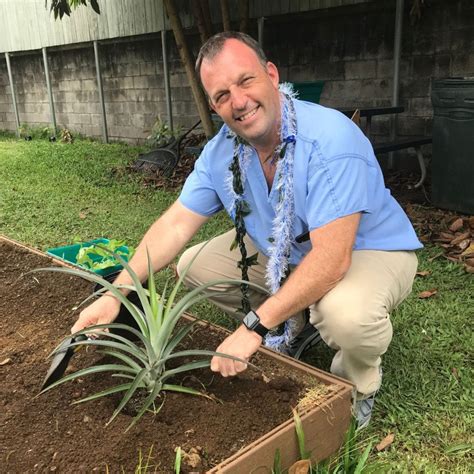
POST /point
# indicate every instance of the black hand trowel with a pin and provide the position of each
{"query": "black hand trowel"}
(61, 360)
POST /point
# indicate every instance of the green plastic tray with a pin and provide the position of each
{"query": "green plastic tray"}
(69, 254)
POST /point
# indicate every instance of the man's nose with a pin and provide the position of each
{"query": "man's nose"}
(239, 99)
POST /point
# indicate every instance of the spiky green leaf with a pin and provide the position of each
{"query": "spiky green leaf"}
(89, 371)
(104, 393)
(132, 389)
(199, 364)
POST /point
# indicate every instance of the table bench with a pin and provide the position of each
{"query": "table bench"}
(415, 142)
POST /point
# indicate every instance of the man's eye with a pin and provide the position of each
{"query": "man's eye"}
(246, 80)
(221, 98)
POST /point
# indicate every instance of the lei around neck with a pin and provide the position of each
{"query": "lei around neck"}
(282, 225)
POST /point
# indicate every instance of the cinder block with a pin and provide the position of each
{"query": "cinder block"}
(120, 119)
(328, 70)
(125, 82)
(411, 126)
(346, 91)
(75, 85)
(360, 69)
(376, 88)
(420, 107)
(147, 69)
(68, 107)
(140, 82)
(138, 121)
(463, 64)
(385, 68)
(115, 107)
(71, 96)
(442, 67)
(88, 85)
(423, 42)
(84, 119)
(87, 72)
(96, 119)
(423, 66)
(182, 93)
(179, 80)
(116, 131)
(299, 73)
(112, 83)
(74, 119)
(442, 40)
(80, 108)
(415, 87)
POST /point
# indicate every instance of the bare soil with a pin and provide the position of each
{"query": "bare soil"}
(46, 433)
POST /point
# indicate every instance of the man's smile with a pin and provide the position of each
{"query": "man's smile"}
(248, 114)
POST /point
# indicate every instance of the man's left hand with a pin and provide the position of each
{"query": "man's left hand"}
(242, 343)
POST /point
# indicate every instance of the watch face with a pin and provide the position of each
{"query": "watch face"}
(251, 320)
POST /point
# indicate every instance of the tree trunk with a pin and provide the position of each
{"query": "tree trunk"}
(206, 13)
(225, 15)
(199, 19)
(244, 15)
(188, 62)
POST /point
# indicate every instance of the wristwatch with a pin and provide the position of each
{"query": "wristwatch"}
(252, 322)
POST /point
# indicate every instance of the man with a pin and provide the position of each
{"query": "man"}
(282, 167)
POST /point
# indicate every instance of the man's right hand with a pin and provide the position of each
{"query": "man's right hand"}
(102, 311)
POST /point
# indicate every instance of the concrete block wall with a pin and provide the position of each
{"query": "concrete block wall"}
(133, 82)
(350, 48)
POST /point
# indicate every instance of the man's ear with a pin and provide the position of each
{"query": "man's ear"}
(272, 72)
(210, 104)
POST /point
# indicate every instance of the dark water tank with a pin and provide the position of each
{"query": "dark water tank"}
(453, 144)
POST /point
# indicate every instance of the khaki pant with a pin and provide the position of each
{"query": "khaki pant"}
(353, 318)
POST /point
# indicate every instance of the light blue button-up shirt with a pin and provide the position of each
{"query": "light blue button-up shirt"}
(335, 174)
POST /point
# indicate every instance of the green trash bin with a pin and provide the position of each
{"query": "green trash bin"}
(453, 144)
(309, 91)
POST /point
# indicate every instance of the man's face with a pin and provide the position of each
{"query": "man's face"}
(244, 92)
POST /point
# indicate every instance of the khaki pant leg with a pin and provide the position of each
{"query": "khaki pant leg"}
(217, 261)
(354, 317)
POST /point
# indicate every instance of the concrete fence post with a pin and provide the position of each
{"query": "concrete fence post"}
(15, 108)
(105, 135)
(50, 90)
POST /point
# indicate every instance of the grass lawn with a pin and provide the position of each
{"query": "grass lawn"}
(54, 194)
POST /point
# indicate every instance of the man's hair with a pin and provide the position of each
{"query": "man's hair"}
(214, 45)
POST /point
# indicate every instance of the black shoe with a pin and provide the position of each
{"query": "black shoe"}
(306, 339)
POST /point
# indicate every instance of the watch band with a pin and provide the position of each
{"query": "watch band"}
(252, 322)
